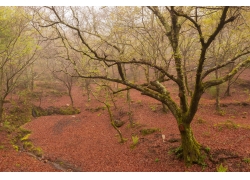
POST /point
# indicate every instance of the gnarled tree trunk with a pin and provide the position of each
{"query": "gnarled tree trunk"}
(189, 146)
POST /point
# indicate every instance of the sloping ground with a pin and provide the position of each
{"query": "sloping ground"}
(88, 142)
(14, 161)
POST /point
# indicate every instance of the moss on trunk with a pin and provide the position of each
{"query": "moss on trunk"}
(190, 148)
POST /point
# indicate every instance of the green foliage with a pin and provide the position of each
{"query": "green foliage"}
(207, 149)
(15, 147)
(246, 160)
(27, 145)
(135, 140)
(7, 126)
(156, 160)
(25, 138)
(37, 151)
(221, 168)
(149, 131)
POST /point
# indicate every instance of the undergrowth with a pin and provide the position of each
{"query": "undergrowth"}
(228, 124)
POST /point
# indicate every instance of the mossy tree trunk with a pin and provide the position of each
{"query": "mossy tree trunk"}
(217, 92)
(190, 148)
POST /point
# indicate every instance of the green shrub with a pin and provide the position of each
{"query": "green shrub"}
(221, 168)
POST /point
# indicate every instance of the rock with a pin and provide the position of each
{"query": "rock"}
(118, 123)
(163, 137)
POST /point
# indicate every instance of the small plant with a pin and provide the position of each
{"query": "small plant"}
(207, 149)
(221, 168)
(156, 160)
(15, 147)
(135, 140)
(18, 165)
(25, 138)
(37, 151)
(221, 112)
(153, 107)
(27, 145)
(246, 160)
(1, 147)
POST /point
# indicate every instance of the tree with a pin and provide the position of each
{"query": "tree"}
(63, 77)
(18, 49)
(115, 36)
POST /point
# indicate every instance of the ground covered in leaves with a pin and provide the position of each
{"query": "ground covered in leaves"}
(87, 142)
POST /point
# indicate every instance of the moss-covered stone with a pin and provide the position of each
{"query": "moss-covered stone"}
(149, 131)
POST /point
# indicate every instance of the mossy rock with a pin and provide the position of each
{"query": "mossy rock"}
(149, 131)
(64, 110)
(68, 110)
(118, 123)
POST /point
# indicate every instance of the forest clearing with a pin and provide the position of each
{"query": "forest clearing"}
(124, 89)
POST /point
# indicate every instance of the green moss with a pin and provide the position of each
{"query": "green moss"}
(1, 147)
(227, 124)
(64, 110)
(37, 151)
(149, 131)
(69, 110)
(25, 138)
(27, 145)
(15, 147)
(246, 160)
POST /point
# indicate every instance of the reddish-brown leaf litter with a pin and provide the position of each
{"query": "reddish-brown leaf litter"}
(87, 142)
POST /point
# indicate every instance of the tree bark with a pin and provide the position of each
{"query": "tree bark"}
(189, 146)
(217, 92)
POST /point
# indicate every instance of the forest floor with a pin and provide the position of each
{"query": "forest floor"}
(87, 142)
